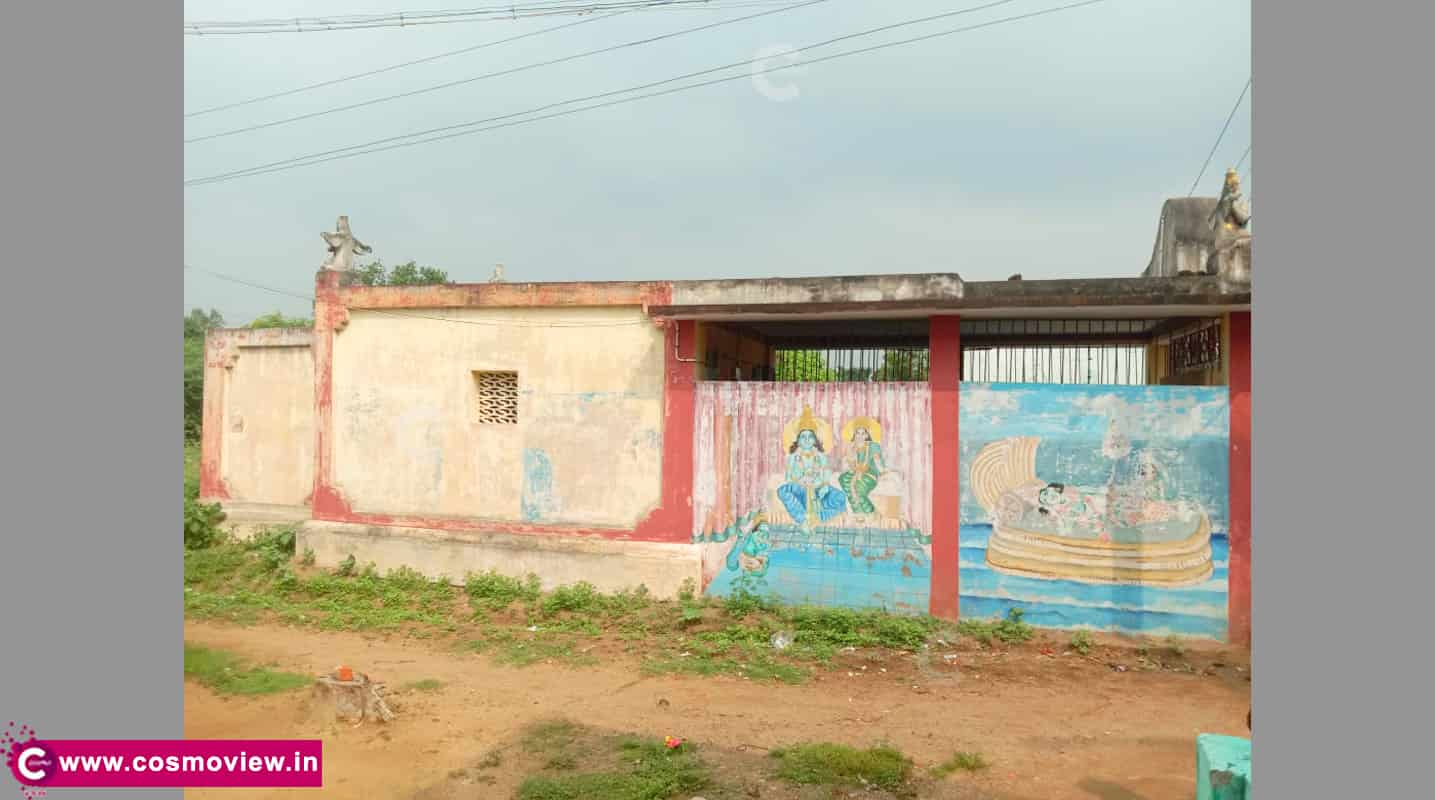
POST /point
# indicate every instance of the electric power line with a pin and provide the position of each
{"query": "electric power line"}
(481, 322)
(412, 19)
(372, 147)
(510, 71)
(1243, 157)
(1221, 136)
(401, 65)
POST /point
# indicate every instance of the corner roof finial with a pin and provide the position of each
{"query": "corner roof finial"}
(343, 247)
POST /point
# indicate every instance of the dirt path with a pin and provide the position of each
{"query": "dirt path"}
(1052, 726)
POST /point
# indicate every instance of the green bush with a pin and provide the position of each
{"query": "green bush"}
(201, 524)
(1011, 630)
(274, 546)
(492, 591)
(579, 598)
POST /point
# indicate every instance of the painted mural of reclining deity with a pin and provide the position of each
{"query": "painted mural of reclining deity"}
(1124, 532)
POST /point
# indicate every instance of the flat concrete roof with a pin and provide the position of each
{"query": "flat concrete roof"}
(914, 295)
(907, 296)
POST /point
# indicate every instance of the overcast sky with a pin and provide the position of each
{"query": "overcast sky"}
(1044, 146)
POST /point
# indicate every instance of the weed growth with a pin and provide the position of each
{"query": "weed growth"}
(830, 764)
(1011, 630)
(963, 761)
(225, 673)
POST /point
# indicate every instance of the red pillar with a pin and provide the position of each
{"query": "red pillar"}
(219, 355)
(945, 371)
(1239, 613)
(330, 316)
(673, 521)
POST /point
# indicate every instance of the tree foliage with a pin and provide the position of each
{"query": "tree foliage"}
(803, 365)
(407, 274)
(904, 365)
(812, 366)
(199, 322)
(196, 325)
(278, 320)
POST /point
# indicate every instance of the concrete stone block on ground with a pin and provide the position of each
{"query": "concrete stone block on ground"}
(1223, 767)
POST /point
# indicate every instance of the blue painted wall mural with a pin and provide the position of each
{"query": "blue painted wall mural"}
(537, 500)
(1096, 507)
(815, 493)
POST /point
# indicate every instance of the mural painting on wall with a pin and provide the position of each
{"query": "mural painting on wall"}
(814, 506)
(1096, 507)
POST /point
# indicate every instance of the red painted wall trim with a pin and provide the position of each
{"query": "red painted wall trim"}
(219, 355)
(329, 314)
(1239, 591)
(945, 341)
(671, 521)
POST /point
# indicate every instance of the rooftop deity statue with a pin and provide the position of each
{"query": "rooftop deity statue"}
(1232, 212)
(343, 247)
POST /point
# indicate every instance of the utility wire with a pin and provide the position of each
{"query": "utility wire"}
(510, 71)
(1222, 135)
(481, 322)
(1243, 157)
(371, 147)
(505, 13)
(495, 9)
(400, 65)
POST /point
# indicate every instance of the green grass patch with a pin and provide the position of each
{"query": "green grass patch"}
(741, 604)
(191, 470)
(642, 770)
(490, 591)
(578, 625)
(526, 652)
(1011, 630)
(245, 581)
(754, 666)
(225, 673)
(549, 735)
(961, 761)
(828, 764)
(264, 580)
(1081, 642)
(425, 685)
(843, 627)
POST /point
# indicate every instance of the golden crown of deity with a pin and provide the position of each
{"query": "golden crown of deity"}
(807, 422)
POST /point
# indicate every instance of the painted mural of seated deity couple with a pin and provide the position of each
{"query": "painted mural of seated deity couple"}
(863, 490)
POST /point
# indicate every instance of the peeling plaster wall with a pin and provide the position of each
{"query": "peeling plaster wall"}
(258, 445)
(587, 445)
(269, 438)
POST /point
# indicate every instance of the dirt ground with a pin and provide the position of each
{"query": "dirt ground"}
(1051, 723)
